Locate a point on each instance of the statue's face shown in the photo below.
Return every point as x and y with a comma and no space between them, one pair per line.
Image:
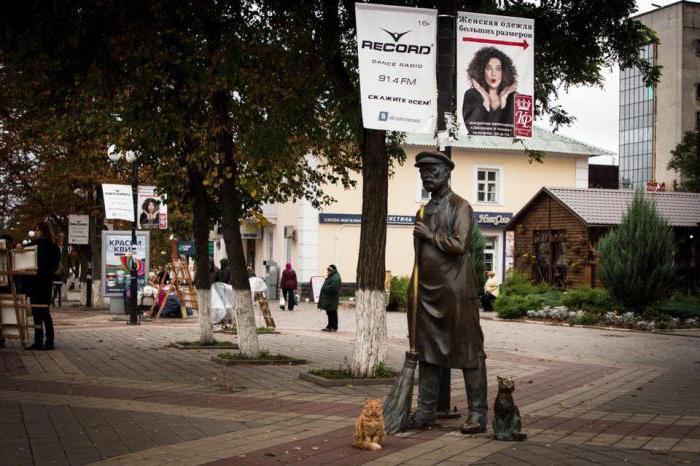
434,176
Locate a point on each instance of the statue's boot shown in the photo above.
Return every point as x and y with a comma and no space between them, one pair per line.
475,384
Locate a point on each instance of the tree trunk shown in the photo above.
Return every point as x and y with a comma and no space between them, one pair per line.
231,213
370,312
96,225
200,220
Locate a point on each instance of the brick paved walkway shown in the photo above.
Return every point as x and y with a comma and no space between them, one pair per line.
116,394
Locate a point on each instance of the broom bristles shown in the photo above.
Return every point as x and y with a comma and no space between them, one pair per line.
397,405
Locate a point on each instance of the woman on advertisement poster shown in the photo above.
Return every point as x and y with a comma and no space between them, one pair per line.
149,220
488,105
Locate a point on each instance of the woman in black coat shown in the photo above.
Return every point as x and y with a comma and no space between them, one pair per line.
39,286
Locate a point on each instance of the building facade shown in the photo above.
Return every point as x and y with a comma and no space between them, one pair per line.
494,174
654,118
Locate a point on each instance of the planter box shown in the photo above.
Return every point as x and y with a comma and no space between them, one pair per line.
227,332
324,382
258,362
200,347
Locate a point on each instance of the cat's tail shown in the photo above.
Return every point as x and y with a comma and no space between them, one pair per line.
367,445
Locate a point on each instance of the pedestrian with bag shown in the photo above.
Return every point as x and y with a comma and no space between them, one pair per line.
288,285
40,286
330,298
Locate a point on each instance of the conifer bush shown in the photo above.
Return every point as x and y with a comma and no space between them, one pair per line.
636,257
476,254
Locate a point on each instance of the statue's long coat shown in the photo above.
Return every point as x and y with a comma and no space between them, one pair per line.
448,332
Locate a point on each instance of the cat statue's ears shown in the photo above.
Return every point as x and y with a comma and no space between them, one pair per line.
499,378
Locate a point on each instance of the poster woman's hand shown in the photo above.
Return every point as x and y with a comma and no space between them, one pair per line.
506,92
484,95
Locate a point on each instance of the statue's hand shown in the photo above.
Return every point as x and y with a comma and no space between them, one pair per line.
422,232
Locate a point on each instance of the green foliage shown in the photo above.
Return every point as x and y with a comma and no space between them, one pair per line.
518,284
636,257
681,306
476,255
264,356
398,294
586,318
381,371
685,158
592,300
515,306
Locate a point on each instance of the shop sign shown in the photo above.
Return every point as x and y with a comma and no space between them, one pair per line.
408,220
493,219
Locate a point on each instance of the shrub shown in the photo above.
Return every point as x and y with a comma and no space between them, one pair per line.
519,285
398,294
636,257
514,306
594,300
681,307
586,318
476,255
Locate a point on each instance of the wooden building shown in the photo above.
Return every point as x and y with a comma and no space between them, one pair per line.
557,231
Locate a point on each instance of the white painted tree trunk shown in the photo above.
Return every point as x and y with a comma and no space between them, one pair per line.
206,329
245,321
371,334
97,299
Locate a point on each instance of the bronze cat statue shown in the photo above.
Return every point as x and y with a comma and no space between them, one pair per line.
506,421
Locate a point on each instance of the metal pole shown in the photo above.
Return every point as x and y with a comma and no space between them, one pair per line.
133,306
446,64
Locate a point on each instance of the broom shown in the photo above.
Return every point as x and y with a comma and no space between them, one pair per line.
397,405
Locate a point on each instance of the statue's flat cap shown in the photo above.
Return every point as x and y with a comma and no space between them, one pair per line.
427,158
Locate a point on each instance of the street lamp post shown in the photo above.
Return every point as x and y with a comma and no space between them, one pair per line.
130,157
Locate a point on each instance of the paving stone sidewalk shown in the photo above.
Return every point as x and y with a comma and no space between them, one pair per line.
117,394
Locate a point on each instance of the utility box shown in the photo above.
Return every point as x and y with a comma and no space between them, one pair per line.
272,278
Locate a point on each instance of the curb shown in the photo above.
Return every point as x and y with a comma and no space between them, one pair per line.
202,347
258,362
324,382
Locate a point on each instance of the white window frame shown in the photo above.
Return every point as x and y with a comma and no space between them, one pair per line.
500,182
497,251
419,190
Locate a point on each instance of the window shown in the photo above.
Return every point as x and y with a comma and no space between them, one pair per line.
697,121
489,253
697,91
422,196
696,42
487,185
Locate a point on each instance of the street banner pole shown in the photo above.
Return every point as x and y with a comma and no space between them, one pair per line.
446,65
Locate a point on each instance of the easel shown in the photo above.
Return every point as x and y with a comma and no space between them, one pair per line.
14,307
181,282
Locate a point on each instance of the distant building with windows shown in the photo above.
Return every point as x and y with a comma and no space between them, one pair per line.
653,119
494,174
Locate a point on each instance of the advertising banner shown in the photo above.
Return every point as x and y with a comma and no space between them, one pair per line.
397,55
495,75
78,229
119,201
117,257
153,212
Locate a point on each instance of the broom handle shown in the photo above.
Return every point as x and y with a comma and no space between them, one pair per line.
414,307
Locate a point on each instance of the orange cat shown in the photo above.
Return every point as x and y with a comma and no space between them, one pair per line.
369,427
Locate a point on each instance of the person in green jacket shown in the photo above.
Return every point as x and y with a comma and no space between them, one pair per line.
330,297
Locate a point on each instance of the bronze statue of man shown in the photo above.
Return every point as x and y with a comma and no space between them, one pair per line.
448,333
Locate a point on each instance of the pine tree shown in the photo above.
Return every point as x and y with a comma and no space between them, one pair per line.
636,257
476,254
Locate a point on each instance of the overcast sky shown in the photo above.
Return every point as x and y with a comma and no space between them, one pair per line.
596,109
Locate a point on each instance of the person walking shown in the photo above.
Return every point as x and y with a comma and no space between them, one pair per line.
330,297
40,286
288,285
490,291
